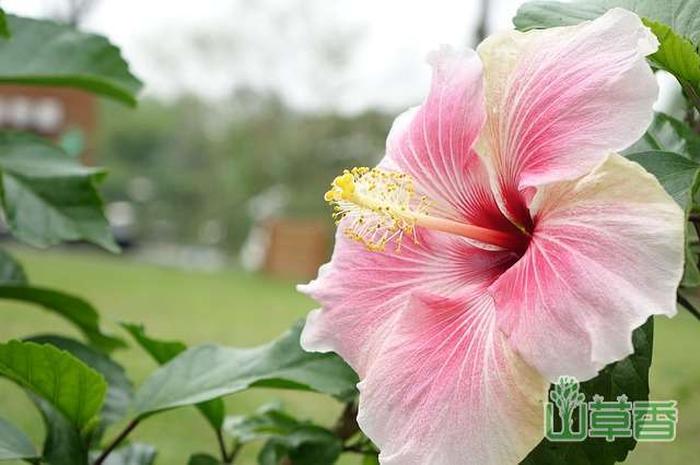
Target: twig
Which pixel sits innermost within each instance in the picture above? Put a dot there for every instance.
(347, 426)
(360, 448)
(235, 450)
(688, 306)
(691, 94)
(115, 443)
(222, 446)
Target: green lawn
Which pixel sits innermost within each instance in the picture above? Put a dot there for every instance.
(235, 308)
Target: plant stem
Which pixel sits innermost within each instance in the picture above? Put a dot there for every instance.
(222, 447)
(235, 450)
(347, 426)
(688, 306)
(358, 449)
(691, 94)
(363, 446)
(115, 443)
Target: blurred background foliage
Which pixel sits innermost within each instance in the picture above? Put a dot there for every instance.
(193, 172)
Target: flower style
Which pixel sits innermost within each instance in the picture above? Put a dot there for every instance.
(500, 243)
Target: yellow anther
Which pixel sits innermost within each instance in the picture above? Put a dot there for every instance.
(379, 205)
(342, 188)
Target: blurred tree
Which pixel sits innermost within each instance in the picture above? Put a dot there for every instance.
(200, 165)
(300, 41)
(72, 12)
(482, 27)
(78, 9)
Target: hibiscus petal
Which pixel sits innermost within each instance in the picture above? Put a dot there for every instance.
(433, 143)
(559, 100)
(606, 253)
(362, 292)
(447, 389)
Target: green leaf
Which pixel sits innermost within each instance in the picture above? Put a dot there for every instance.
(164, 351)
(133, 454)
(14, 444)
(630, 377)
(307, 445)
(48, 197)
(210, 371)
(268, 420)
(678, 175)
(161, 351)
(64, 444)
(4, 29)
(683, 15)
(74, 309)
(73, 388)
(119, 388)
(300, 442)
(203, 459)
(669, 135)
(676, 54)
(11, 271)
(47, 53)
(370, 460)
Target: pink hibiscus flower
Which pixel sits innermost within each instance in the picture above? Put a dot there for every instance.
(528, 249)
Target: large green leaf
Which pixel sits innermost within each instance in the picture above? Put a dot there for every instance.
(11, 271)
(209, 371)
(164, 351)
(14, 444)
(683, 15)
(630, 377)
(119, 388)
(73, 388)
(74, 309)
(47, 196)
(47, 53)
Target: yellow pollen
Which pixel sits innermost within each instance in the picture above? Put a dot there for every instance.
(342, 188)
(380, 206)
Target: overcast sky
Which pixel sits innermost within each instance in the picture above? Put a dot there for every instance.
(343, 54)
